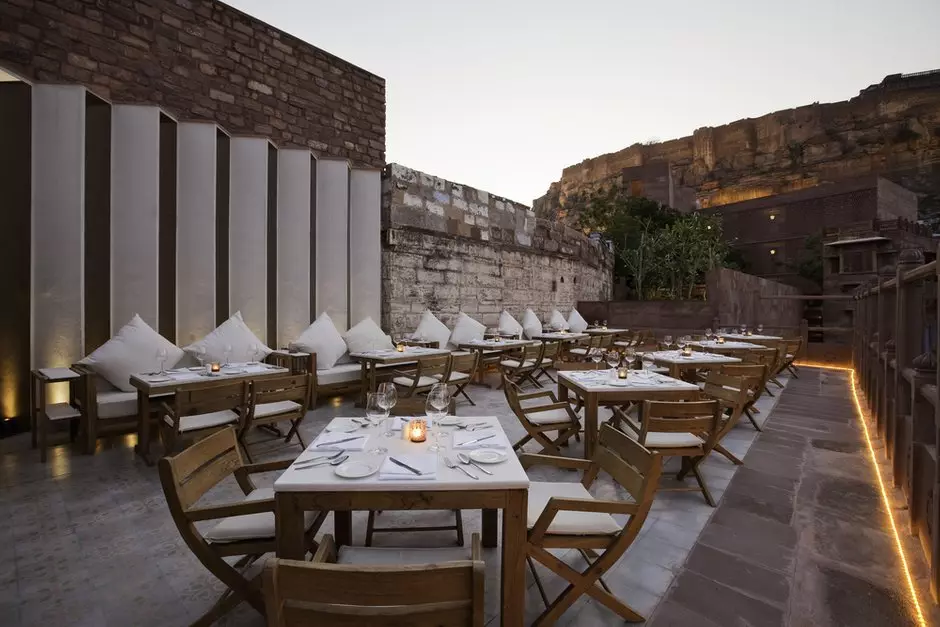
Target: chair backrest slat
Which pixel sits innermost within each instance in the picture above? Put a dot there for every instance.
(288, 388)
(464, 363)
(187, 476)
(437, 364)
(212, 397)
(680, 417)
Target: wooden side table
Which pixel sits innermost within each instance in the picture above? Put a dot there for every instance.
(42, 414)
(421, 343)
(296, 362)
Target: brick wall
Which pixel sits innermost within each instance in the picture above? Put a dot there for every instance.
(452, 248)
(201, 59)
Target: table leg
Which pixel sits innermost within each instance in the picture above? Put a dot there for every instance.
(513, 580)
(363, 382)
(562, 392)
(143, 427)
(490, 524)
(289, 527)
(33, 414)
(342, 528)
(590, 425)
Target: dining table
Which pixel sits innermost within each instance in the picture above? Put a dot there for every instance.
(490, 346)
(558, 336)
(598, 388)
(410, 476)
(680, 363)
(604, 331)
(371, 359)
(751, 337)
(726, 348)
(154, 385)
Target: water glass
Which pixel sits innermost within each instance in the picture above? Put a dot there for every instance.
(376, 413)
(667, 340)
(389, 398)
(760, 328)
(436, 409)
(613, 359)
(161, 357)
(596, 355)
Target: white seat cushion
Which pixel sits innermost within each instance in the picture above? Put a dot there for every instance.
(789, 355)
(557, 321)
(251, 526)
(430, 328)
(393, 556)
(565, 522)
(508, 325)
(132, 350)
(409, 381)
(454, 377)
(579, 351)
(551, 416)
(204, 421)
(340, 373)
(576, 322)
(547, 361)
(531, 325)
(322, 338)
(234, 333)
(264, 410)
(367, 336)
(514, 363)
(672, 440)
(116, 404)
(466, 330)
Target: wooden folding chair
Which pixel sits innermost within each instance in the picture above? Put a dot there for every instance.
(274, 400)
(583, 348)
(756, 374)
(201, 410)
(733, 394)
(541, 418)
(246, 528)
(767, 357)
(377, 587)
(550, 352)
(460, 373)
(687, 429)
(415, 407)
(520, 366)
(569, 517)
(423, 377)
(792, 350)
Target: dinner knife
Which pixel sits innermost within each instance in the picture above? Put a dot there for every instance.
(339, 441)
(404, 465)
(485, 437)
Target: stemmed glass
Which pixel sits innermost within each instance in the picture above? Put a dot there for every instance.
(201, 358)
(389, 398)
(682, 342)
(708, 334)
(743, 329)
(629, 355)
(227, 354)
(436, 409)
(760, 328)
(613, 359)
(161, 357)
(375, 414)
(596, 355)
(667, 340)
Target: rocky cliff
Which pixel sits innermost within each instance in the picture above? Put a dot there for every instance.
(892, 129)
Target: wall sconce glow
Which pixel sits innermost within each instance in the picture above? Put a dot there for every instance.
(773, 251)
(773, 217)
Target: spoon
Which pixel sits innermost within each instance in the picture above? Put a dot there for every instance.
(450, 464)
(335, 462)
(471, 427)
(463, 458)
(319, 458)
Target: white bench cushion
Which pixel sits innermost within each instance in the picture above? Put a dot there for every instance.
(340, 373)
(568, 523)
(271, 409)
(251, 526)
(204, 421)
(394, 556)
(672, 440)
(116, 404)
(579, 351)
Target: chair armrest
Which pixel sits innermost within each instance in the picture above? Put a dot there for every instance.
(535, 459)
(558, 504)
(326, 552)
(232, 509)
(537, 408)
(280, 464)
(531, 395)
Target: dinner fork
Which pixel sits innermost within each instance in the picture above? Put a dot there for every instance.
(450, 464)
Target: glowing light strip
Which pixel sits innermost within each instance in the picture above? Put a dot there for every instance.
(919, 614)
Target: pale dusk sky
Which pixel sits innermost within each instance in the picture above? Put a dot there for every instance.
(501, 95)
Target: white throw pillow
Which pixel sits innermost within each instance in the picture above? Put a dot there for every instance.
(430, 328)
(322, 338)
(576, 322)
(466, 330)
(508, 325)
(132, 350)
(531, 325)
(235, 335)
(557, 321)
(367, 336)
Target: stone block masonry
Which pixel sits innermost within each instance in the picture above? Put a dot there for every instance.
(201, 59)
(450, 248)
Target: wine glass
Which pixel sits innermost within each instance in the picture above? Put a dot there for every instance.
(227, 354)
(760, 328)
(161, 357)
(604, 324)
(436, 409)
(596, 355)
(596, 324)
(629, 355)
(389, 398)
(682, 341)
(743, 329)
(613, 359)
(647, 361)
(667, 340)
(375, 414)
(708, 334)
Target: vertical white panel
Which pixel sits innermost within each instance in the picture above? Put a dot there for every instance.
(195, 230)
(332, 263)
(248, 238)
(293, 244)
(365, 245)
(135, 213)
(57, 224)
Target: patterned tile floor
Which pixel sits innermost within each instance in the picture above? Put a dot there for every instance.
(88, 540)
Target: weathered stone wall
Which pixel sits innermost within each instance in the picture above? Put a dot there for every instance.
(201, 59)
(892, 129)
(452, 248)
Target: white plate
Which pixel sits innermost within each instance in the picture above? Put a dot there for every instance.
(619, 383)
(449, 421)
(343, 425)
(356, 469)
(488, 455)
(158, 379)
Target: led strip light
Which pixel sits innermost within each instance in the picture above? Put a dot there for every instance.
(919, 614)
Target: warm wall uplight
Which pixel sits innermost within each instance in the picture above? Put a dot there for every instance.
(773, 251)
(773, 217)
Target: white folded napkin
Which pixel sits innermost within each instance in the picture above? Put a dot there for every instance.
(184, 376)
(464, 440)
(325, 442)
(425, 463)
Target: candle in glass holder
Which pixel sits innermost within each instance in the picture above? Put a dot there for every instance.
(417, 430)
(400, 347)
(720, 340)
(687, 351)
(215, 367)
(622, 373)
